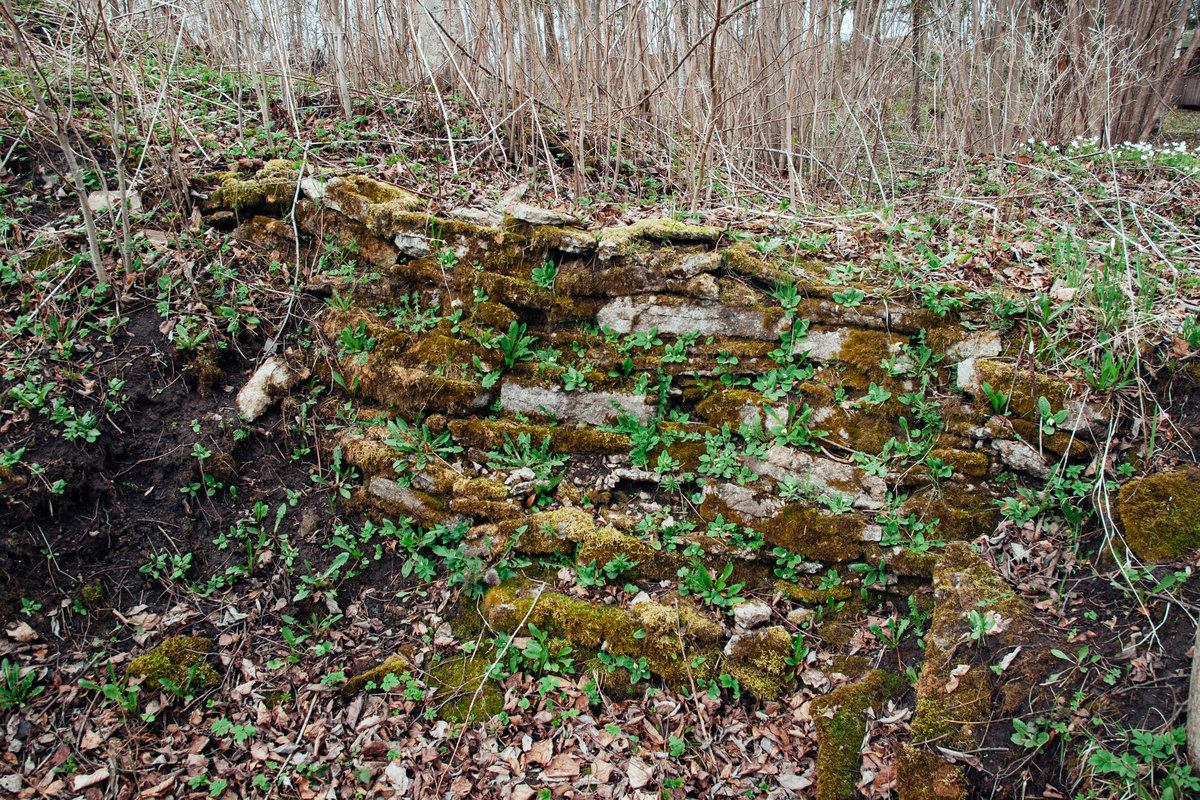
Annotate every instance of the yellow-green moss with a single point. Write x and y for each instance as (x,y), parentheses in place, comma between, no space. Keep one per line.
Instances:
(819,535)
(813,597)
(741,259)
(515,292)
(370,455)
(923,775)
(866,431)
(278,168)
(370,202)
(648,630)
(972,463)
(841,722)
(1059,443)
(758,660)
(732,407)
(91,594)
(175,660)
(963,582)
(270,190)
(607,543)
(1160,515)
(494,434)
(625,240)
(494,315)
(434,350)
(372,679)
(547,532)
(1025,388)
(410,390)
(463,691)
(964,511)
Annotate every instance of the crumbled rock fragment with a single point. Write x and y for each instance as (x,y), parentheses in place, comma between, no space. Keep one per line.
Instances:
(540,216)
(101,201)
(269,382)
(751,614)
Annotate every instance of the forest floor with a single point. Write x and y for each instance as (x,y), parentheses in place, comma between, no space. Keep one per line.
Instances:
(136,506)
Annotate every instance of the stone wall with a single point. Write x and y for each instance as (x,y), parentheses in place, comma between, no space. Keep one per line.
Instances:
(674,396)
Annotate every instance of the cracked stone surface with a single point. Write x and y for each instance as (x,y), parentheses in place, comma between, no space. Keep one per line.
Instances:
(593,408)
(635,314)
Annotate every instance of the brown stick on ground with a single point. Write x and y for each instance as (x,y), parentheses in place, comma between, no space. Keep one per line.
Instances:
(1193,705)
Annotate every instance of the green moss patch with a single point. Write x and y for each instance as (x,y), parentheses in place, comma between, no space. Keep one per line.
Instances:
(654,631)
(953,705)
(1160,515)
(539,534)
(494,434)
(179,660)
(841,722)
(372,679)
(820,535)
(758,659)
(463,691)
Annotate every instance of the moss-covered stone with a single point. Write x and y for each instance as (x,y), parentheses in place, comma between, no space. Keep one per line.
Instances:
(813,597)
(819,535)
(1160,515)
(742,259)
(179,660)
(734,407)
(654,631)
(607,543)
(494,434)
(758,659)
(858,429)
(369,201)
(463,691)
(372,679)
(368,452)
(462,279)
(1025,387)
(841,723)
(383,376)
(395,500)
(624,241)
(344,239)
(538,534)
(494,315)
(972,463)
(953,709)
(242,196)
(964,511)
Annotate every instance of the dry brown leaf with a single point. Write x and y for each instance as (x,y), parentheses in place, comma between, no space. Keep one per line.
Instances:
(564,765)
(82,782)
(638,773)
(21,632)
(955,674)
(541,751)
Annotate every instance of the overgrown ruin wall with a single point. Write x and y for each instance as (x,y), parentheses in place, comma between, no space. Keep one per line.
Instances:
(666,396)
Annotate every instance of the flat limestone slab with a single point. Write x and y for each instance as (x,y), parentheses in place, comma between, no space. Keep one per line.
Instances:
(593,408)
(637,314)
